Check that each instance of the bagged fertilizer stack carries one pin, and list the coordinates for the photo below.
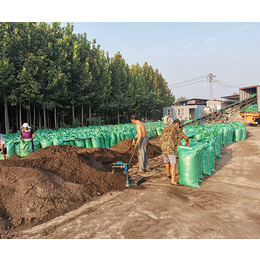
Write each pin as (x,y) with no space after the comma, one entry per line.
(188,168)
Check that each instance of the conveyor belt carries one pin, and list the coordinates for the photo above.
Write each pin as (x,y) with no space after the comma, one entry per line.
(226,114)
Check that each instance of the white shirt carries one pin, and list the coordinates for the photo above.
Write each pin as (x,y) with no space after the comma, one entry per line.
(165,119)
(2,140)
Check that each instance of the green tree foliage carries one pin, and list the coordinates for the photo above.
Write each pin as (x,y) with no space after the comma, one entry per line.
(49,75)
(178,100)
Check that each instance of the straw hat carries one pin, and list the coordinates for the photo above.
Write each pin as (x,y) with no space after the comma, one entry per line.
(25,125)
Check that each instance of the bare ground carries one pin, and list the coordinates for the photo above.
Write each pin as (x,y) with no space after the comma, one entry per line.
(225,206)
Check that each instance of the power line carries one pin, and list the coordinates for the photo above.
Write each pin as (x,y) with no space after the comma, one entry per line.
(186,81)
(188,84)
(227,85)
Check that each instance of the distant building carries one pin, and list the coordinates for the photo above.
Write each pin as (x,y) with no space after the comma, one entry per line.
(232,98)
(196,107)
(189,109)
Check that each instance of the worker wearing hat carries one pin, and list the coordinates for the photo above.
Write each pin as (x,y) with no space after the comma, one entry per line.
(3,150)
(27,133)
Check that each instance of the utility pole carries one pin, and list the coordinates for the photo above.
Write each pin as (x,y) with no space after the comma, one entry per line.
(210,79)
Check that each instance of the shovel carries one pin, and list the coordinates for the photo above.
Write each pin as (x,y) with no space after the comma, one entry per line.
(131,158)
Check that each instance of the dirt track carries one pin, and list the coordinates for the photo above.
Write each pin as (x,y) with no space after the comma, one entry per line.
(225,206)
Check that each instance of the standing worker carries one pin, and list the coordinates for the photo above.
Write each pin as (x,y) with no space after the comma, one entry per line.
(141,142)
(167,120)
(171,135)
(27,133)
(3,150)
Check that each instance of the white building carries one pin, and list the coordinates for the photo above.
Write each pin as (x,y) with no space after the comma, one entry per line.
(189,109)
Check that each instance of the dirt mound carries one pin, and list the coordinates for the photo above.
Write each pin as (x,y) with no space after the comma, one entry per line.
(57,179)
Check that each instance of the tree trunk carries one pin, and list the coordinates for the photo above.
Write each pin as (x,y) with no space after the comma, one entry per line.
(48,119)
(6,117)
(118,120)
(73,114)
(55,117)
(34,123)
(17,122)
(82,111)
(20,114)
(89,114)
(44,118)
(40,121)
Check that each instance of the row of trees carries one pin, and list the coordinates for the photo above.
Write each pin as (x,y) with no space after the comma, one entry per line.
(50,77)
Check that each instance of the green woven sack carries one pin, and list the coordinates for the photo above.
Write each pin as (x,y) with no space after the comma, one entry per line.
(190,133)
(56,141)
(80,142)
(66,141)
(225,136)
(37,145)
(102,141)
(237,134)
(118,137)
(188,167)
(198,136)
(149,134)
(88,143)
(107,141)
(45,143)
(199,158)
(10,147)
(159,131)
(25,147)
(216,148)
(211,157)
(113,139)
(154,132)
(72,142)
(17,148)
(96,142)
(205,161)
(243,133)
(230,136)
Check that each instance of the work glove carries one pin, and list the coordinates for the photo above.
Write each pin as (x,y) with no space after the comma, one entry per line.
(136,146)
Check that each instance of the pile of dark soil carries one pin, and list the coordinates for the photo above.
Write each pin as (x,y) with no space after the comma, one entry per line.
(57,179)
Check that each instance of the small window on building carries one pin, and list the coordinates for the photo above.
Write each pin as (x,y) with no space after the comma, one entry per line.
(170,112)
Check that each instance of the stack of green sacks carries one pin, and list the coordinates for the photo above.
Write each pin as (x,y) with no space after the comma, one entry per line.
(250,108)
(206,142)
(86,137)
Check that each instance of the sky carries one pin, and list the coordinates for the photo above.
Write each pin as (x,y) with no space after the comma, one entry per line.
(184,51)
